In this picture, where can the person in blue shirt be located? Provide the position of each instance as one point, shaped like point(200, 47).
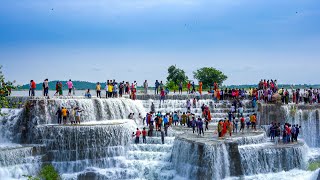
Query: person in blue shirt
point(193, 87)
point(200, 126)
point(156, 87)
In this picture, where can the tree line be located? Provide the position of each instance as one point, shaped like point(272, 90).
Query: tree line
point(207, 75)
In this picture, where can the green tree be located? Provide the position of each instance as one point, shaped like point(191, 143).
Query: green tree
point(175, 76)
point(5, 90)
point(209, 75)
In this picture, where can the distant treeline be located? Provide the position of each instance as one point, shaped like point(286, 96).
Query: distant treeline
point(82, 85)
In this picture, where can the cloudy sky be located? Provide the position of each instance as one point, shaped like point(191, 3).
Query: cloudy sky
point(131, 40)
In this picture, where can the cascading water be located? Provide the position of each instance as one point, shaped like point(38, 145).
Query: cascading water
point(73, 148)
point(19, 161)
point(201, 161)
point(16, 160)
point(266, 158)
point(308, 119)
point(101, 148)
point(9, 126)
point(44, 111)
point(138, 161)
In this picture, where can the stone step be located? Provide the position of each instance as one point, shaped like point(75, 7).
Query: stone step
point(151, 165)
point(149, 156)
point(157, 140)
point(152, 147)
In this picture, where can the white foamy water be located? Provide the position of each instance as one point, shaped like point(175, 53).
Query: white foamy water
point(294, 174)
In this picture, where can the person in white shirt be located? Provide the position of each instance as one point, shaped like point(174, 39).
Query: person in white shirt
point(145, 85)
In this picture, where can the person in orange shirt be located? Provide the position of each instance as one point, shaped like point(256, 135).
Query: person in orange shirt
point(218, 94)
point(64, 112)
point(200, 88)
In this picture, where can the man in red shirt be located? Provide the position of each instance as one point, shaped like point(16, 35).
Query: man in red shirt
point(144, 135)
point(162, 95)
point(189, 86)
point(33, 87)
point(138, 133)
point(242, 124)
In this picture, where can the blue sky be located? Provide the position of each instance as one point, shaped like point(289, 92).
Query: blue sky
point(138, 39)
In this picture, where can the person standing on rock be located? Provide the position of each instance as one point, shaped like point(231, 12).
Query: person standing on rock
point(162, 137)
point(70, 86)
point(144, 136)
point(242, 120)
point(145, 86)
point(59, 114)
point(193, 124)
point(166, 126)
point(115, 90)
point(33, 88)
point(78, 115)
point(45, 86)
point(138, 133)
point(189, 87)
point(220, 126)
point(152, 108)
point(98, 89)
point(200, 88)
point(162, 96)
point(180, 87)
point(156, 87)
point(193, 87)
point(200, 126)
point(64, 112)
point(253, 120)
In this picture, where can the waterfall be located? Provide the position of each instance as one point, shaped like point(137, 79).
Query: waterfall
point(73, 148)
point(43, 111)
point(9, 125)
point(201, 161)
point(266, 158)
point(139, 161)
point(19, 161)
point(308, 119)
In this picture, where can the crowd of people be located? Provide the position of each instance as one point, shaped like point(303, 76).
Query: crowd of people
point(161, 122)
point(73, 115)
point(267, 88)
point(289, 132)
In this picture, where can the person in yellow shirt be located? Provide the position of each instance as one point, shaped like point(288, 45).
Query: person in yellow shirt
point(253, 120)
point(98, 89)
point(110, 90)
point(64, 112)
